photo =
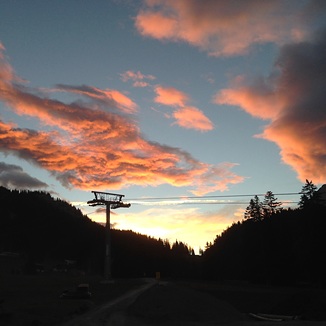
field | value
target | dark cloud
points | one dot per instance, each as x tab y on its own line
13	176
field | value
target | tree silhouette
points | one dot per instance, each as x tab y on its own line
254	210
270	204
309	194
49	231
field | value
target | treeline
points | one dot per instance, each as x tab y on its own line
273	245
41	228
47	232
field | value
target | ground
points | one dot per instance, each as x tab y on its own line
195	303
171	304
34	300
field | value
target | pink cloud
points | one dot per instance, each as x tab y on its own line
223	28
258	99
185	116
295	104
96	144
156	25
302	145
170	96
192	118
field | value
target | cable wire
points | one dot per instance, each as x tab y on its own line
211	196
196	200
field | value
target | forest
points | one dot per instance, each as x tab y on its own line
38	232
271	245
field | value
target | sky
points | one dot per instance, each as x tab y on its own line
188	108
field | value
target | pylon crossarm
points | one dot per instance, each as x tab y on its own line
118	205
94	202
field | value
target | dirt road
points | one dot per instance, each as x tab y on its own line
166	304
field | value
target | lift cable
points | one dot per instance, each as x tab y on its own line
209	199
211	196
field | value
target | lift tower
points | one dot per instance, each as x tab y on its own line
113	201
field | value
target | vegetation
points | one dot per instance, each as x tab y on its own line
258	210
272	244
50	234
309	194
48	246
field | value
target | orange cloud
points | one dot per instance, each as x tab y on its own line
97	163
223	28
192	118
170	96
294	102
95	144
302	145
258	99
156	25
185	116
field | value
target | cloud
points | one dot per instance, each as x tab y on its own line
139	79
170	96
107	98
258	98
294	103
96	144
192	118
224	28
13	176
185	116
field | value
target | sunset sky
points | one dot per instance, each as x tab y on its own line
190	102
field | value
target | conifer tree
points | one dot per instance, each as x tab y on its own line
270	204
254	210
308	194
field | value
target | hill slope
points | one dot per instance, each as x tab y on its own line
42	229
286	248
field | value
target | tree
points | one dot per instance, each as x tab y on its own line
180	249
270	204
309	194
254	210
